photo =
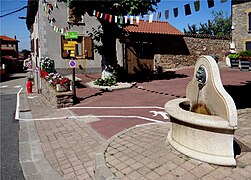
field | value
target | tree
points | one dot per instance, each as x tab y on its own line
110	31
220	25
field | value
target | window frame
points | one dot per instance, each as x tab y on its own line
81	39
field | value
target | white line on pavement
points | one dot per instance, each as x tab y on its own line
17	86
107	116
18	104
129	107
3	86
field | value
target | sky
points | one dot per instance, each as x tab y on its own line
12	26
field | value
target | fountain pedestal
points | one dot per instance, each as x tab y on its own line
208	138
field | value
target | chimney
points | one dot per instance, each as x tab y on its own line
15	37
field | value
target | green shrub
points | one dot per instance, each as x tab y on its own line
233	55
245	53
110	81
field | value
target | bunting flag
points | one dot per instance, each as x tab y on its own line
125	19
151	18
175	12
131	19
210	3
94	13
101	15
105	16
166	14
144	18
187	9
158	16
197	5
116	19
110	18
48	9
137	19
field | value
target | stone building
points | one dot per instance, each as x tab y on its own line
241	24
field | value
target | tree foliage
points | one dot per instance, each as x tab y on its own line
220	25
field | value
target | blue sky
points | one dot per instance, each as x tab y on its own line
11	25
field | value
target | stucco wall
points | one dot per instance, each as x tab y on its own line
50	41
196	47
239	21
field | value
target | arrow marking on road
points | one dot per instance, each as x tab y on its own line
162	113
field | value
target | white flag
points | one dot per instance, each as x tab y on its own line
131	19
151	18
137	19
125	19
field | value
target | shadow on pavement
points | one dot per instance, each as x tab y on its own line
241	94
146	77
10	77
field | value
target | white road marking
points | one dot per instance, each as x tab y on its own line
106	116
162	113
126	107
18	105
17	86
31	97
4	86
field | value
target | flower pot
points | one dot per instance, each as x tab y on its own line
62	88
245	64
234	63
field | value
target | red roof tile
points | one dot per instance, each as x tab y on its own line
156	27
9	58
6	38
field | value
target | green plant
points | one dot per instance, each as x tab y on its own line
233	55
245	53
110	81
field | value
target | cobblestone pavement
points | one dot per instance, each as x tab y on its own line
144	153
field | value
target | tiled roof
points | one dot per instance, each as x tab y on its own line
155	27
6	38
9	58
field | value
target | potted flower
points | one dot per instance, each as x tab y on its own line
234	60
63	84
245	58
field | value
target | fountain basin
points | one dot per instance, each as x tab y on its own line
208	138
202	137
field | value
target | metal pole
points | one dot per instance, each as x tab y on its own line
73	85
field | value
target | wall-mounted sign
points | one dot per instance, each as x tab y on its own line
71	35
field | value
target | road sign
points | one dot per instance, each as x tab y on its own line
72	63
71	35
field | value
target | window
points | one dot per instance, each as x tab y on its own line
79	48
248	45
145	50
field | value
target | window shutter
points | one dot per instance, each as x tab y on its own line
88	45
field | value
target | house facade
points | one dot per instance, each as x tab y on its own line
150	46
241	24
48	21
9	53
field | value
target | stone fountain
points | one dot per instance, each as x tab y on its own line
209	138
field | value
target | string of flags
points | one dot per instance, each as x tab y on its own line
48	9
128	19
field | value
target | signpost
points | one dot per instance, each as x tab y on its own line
72	63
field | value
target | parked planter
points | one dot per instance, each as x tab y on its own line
234	63
62	88
244	64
